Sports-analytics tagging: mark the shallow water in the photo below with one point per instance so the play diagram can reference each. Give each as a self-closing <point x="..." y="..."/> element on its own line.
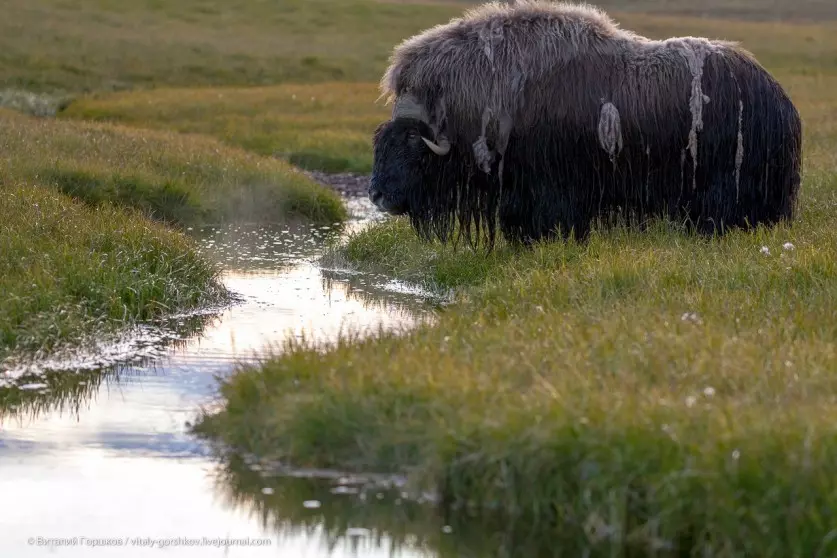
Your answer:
<point x="101" y="459"/>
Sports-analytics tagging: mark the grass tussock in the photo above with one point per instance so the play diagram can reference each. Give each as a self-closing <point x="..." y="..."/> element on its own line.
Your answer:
<point x="642" y="392"/>
<point x="179" y="179"/>
<point x="67" y="269"/>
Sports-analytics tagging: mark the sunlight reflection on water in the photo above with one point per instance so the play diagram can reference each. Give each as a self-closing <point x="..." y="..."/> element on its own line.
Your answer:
<point x="112" y="456"/>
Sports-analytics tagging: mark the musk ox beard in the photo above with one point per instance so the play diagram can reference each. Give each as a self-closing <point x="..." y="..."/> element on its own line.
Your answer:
<point x="545" y="117"/>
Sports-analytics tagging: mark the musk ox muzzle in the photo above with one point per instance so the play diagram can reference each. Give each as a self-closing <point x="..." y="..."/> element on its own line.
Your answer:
<point x="400" y="157"/>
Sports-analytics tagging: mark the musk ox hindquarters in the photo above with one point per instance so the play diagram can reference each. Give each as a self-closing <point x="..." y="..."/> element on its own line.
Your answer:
<point x="543" y="117"/>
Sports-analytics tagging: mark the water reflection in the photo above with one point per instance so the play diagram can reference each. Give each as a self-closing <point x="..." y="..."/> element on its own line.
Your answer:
<point x="347" y="514"/>
<point x="97" y="444"/>
<point x="63" y="382"/>
<point x="366" y="517"/>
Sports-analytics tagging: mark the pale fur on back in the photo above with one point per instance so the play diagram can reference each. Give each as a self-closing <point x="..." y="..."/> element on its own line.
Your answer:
<point x="561" y="30"/>
<point x="479" y="70"/>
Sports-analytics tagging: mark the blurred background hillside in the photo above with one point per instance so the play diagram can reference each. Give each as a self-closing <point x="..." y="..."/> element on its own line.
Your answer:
<point x="94" y="45"/>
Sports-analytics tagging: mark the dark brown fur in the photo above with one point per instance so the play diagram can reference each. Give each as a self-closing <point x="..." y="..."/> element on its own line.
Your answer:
<point x="570" y="117"/>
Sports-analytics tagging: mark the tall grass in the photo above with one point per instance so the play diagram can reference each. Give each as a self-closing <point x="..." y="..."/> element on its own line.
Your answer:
<point x="656" y="386"/>
<point x="67" y="269"/>
<point x="79" y="253"/>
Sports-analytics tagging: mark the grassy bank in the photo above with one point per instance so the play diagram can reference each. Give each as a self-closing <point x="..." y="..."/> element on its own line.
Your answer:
<point x="73" y="191"/>
<point x="179" y="179"/>
<point x="67" y="269"/>
<point x="651" y="391"/>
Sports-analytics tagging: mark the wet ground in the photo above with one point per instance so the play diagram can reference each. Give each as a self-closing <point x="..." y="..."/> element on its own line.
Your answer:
<point x="96" y="458"/>
<point x="347" y="183"/>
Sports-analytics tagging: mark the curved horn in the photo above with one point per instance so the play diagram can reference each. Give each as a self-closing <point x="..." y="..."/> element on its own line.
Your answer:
<point x="441" y="148"/>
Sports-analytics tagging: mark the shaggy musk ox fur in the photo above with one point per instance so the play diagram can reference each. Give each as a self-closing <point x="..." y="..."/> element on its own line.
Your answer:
<point x="547" y="116"/>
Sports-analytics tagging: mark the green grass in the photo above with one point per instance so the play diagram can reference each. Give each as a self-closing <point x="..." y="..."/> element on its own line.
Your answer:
<point x="98" y="45"/>
<point x="68" y="270"/>
<point x="52" y="293"/>
<point x="644" y="390"/>
<point x="326" y="126"/>
<point x="180" y="179"/>
<point x="95" y="45"/>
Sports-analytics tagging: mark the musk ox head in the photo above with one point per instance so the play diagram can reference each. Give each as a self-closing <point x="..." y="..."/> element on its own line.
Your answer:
<point x="403" y="149"/>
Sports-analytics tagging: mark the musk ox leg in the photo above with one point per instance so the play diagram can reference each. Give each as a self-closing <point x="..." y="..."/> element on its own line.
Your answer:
<point x="524" y="216"/>
<point x="554" y="185"/>
<point x="523" y="222"/>
<point x="536" y="206"/>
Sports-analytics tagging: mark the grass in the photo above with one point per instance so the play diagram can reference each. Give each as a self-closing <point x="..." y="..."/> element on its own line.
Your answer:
<point x="68" y="270"/>
<point x="640" y="393"/>
<point x="183" y="180"/>
<point x="99" y="45"/>
<point x="141" y="269"/>
<point x="325" y="126"/>
<point x="753" y="10"/>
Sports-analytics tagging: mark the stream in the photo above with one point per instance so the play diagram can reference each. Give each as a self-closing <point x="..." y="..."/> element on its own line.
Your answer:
<point x="96" y="454"/>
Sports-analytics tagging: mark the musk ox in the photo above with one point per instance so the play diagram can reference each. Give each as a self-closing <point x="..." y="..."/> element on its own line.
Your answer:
<point x="545" y="117"/>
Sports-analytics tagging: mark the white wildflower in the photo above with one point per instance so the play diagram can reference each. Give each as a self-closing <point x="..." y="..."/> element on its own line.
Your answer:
<point x="691" y="317"/>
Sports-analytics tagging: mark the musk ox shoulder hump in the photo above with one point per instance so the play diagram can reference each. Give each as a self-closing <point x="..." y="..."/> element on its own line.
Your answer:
<point x="480" y="29"/>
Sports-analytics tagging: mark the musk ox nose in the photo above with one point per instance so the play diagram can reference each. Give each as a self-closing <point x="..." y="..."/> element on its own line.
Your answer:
<point x="375" y="196"/>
